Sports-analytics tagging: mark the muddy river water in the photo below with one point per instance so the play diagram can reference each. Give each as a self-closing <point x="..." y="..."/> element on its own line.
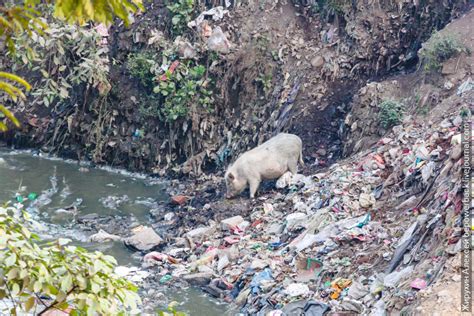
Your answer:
<point x="60" y="184"/>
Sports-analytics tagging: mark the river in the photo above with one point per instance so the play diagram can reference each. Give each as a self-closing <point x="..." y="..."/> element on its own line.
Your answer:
<point x="62" y="183"/>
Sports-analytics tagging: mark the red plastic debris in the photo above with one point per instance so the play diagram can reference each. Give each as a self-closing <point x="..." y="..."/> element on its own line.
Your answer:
<point x="179" y="199"/>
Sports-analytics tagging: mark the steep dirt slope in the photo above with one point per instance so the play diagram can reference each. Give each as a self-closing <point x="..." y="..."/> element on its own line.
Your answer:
<point x="292" y="66"/>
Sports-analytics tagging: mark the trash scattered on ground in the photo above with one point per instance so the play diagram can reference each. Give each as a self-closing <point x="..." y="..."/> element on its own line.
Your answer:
<point x="353" y="238"/>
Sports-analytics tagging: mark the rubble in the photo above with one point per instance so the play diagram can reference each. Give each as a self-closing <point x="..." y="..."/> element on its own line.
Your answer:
<point x="345" y="239"/>
<point x="143" y="239"/>
<point x="103" y="236"/>
<point x="198" y="279"/>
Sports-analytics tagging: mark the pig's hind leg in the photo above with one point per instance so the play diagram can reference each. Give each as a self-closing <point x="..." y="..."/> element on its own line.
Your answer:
<point x="293" y="166"/>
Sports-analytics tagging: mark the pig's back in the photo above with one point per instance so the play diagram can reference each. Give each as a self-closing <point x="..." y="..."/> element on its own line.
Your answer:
<point x="280" y="148"/>
<point x="283" y="143"/>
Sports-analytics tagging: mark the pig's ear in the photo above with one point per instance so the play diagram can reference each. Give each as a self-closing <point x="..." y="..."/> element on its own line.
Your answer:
<point x="231" y="176"/>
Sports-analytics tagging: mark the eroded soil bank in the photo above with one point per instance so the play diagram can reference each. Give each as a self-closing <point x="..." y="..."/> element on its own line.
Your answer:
<point x="288" y="66"/>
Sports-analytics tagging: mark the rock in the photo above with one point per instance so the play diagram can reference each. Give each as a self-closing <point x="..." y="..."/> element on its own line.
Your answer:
<point x="222" y="263"/>
<point x="366" y="200"/>
<point x="143" y="240"/>
<point x="179" y="199"/>
<point x="200" y="232"/>
<point x="449" y="68"/>
<point x="242" y="297"/>
<point x="231" y="222"/>
<point x="456" y="152"/>
<point x="317" y="62"/>
<point x="198" y="279"/>
<point x="103" y="236"/>
<point x="258" y="264"/>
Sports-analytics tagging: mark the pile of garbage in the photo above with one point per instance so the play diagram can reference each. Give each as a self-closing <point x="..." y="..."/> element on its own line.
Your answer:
<point x="365" y="236"/>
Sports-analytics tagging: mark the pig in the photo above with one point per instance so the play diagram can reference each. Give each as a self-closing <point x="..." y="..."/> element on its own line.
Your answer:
<point x="268" y="161"/>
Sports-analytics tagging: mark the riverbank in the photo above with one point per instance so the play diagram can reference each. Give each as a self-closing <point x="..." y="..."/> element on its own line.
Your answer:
<point x="371" y="225"/>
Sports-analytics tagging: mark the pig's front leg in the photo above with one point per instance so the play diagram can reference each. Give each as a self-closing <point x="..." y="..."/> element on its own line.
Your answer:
<point x="253" y="186"/>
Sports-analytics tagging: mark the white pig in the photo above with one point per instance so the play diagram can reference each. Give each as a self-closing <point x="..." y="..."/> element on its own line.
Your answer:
<point x="268" y="161"/>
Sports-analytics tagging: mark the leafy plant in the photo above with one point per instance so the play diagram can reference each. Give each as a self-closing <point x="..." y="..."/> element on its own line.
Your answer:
<point x="181" y="11"/>
<point x="465" y="111"/>
<point x="266" y="82"/>
<point x="391" y="113"/>
<point x="330" y="7"/>
<point x="140" y="66"/>
<point x="180" y="89"/>
<point x="86" y="61"/>
<point x="439" y="48"/>
<point x="25" y="18"/>
<point x="40" y="276"/>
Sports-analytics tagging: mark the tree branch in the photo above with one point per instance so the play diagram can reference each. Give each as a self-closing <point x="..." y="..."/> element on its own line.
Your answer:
<point x="54" y="303"/>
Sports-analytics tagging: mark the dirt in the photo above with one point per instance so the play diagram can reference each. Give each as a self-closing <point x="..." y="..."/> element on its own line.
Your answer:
<point x="315" y="61"/>
<point x="329" y="71"/>
<point x="444" y="297"/>
<point x="421" y="94"/>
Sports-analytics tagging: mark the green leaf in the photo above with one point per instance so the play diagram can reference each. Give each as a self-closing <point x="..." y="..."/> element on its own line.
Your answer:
<point x="10" y="260"/>
<point x="37" y="286"/>
<point x="12" y="273"/>
<point x="44" y="73"/>
<point x="30" y="302"/>
<point x="15" y="289"/>
<point x="66" y="283"/>
<point x="176" y="19"/>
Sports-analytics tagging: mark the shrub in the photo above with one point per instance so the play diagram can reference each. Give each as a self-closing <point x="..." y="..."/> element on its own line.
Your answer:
<point x="25" y="18"/>
<point x="65" y="56"/>
<point x="139" y="65"/>
<point x="391" y="113"/>
<point x="325" y="7"/>
<point x="180" y="89"/>
<point x="181" y="11"/>
<point x="54" y="275"/>
<point x="439" y="48"/>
